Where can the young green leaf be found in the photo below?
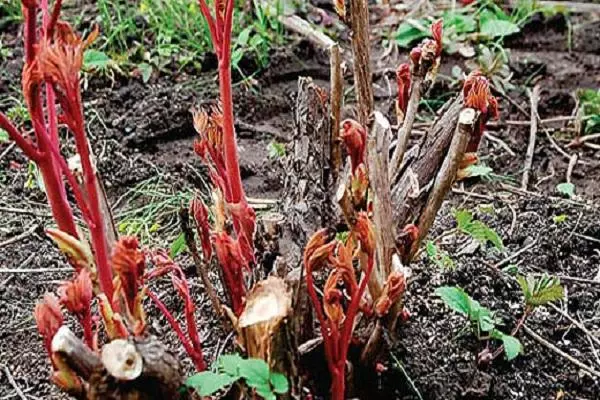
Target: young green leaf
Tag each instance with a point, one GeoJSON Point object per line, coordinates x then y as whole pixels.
{"type": "Point", "coordinates": [438, 256]}
{"type": "Point", "coordinates": [566, 188]}
{"type": "Point", "coordinates": [276, 150]}
{"type": "Point", "coordinates": [255, 371]}
{"type": "Point", "coordinates": [146, 71]}
{"type": "Point", "coordinates": [178, 246]}
{"type": "Point", "coordinates": [512, 346]}
{"type": "Point", "coordinates": [477, 229]}
{"type": "Point", "coordinates": [478, 170]}
{"type": "Point", "coordinates": [559, 219]}
{"type": "Point", "coordinates": [455, 298]}
{"type": "Point", "coordinates": [95, 60]}
{"type": "Point", "coordinates": [230, 364]}
{"type": "Point", "coordinates": [492, 25]}
{"type": "Point", "coordinates": [208, 382]}
{"type": "Point", "coordinates": [540, 291]}
{"type": "Point", "coordinates": [279, 382]}
{"type": "Point", "coordinates": [3, 136]}
{"type": "Point", "coordinates": [407, 34]}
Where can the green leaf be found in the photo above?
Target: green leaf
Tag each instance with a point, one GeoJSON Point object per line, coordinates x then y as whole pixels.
{"type": "Point", "coordinates": [455, 298]}
{"type": "Point", "coordinates": [478, 170]}
{"type": "Point", "coordinates": [407, 34]}
{"type": "Point", "coordinates": [146, 70]}
{"type": "Point", "coordinates": [3, 136]}
{"type": "Point", "coordinates": [255, 371]}
{"type": "Point", "coordinates": [230, 364]}
{"type": "Point", "coordinates": [279, 382]}
{"type": "Point", "coordinates": [540, 291]}
{"type": "Point", "coordinates": [491, 26]}
{"type": "Point", "coordinates": [264, 391]}
{"type": "Point", "coordinates": [512, 346]}
{"type": "Point", "coordinates": [95, 59]}
{"type": "Point", "coordinates": [178, 246]}
{"type": "Point", "coordinates": [208, 382]}
{"type": "Point", "coordinates": [559, 219]}
{"type": "Point", "coordinates": [477, 229]}
{"type": "Point", "coordinates": [511, 269]}
{"type": "Point", "coordinates": [276, 150]}
{"type": "Point", "coordinates": [440, 257]}
{"type": "Point", "coordinates": [461, 23]}
{"type": "Point", "coordinates": [566, 188]}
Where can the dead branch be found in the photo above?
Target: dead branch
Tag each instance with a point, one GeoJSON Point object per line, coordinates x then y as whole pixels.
{"type": "Point", "coordinates": [379, 183]}
{"type": "Point", "coordinates": [446, 175]}
{"type": "Point", "coordinates": [363, 82]}
{"type": "Point", "coordinates": [534, 97]}
{"type": "Point", "coordinates": [140, 368]}
{"type": "Point", "coordinates": [302, 27]}
{"type": "Point", "coordinates": [335, 109]}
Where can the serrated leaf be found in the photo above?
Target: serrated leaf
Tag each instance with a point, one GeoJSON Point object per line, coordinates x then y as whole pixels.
{"type": "Point", "coordinates": [208, 382]}
{"type": "Point", "coordinates": [540, 291]}
{"type": "Point", "coordinates": [255, 371]}
{"type": "Point", "coordinates": [178, 246]}
{"type": "Point", "coordinates": [512, 346]}
{"type": "Point", "coordinates": [455, 298]}
{"type": "Point", "coordinates": [477, 229]}
{"type": "Point", "coordinates": [95, 59]}
{"type": "Point", "coordinates": [230, 363]}
{"type": "Point", "coordinates": [566, 188]}
{"type": "Point", "coordinates": [279, 382]}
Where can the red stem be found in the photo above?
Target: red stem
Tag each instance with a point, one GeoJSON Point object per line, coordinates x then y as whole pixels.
{"type": "Point", "coordinates": [211, 26]}
{"type": "Point", "coordinates": [29, 33]}
{"type": "Point", "coordinates": [88, 333]}
{"type": "Point", "coordinates": [196, 358]}
{"type": "Point", "coordinates": [25, 145]}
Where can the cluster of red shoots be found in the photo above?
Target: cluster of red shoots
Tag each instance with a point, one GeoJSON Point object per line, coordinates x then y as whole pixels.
{"type": "Point", "coordinates": [51, 73]}
{"type": "Point", "coordinates": [234, 248]}
{"type": "Point", "coordinates": [429, 49]}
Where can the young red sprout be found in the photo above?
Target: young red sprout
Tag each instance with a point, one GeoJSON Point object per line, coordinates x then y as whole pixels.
{"type": "Point", "coordinates": [224, 140]}
{"type": "Point", "coordinates": [192, 344]}
{"type": "Point", "coordinates": [76, 297]}
{"type": "Point", "coordinates": [199, 212]}
{"type": "Point", "coordinates": [477, 95]}
{"type": "Point", "coordinates": [392, 290]}
{"type": "Point", "coordinates": [403, 82]}
{"type": "Point", "coordinates": [425, 58]}
{"type": "Point", "coordinates": [337, 321]}
{"type": "Point", "coordinates": [129, 263]}
{"type": "Point", "coordinates": [49, 318]}
{"type": "Point", "coordinates": [53, 60]}
{"type": "Point", "coordinates": [354, 136]}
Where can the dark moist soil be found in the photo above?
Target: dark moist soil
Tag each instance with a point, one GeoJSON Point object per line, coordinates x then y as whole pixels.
{"type": "Point", "coordinates": [140, 130]}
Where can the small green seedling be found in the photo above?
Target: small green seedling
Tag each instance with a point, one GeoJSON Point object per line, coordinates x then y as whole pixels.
{"type": "Point", "coordinates": [540, 291]}
{"type": "Point", "coordinates": [482, 320]}
{"type": "Point", "coordinates": [439, 257]}
{"type": "Point", "coordinates": [477, 229]}
{"type": "Point", "coordinates": [276, 150]}
{"type": "Point", "coordinates": [566, 189]}
{"type": "Point", "coordinates": [559, 219]}
{"type": "Point", "coordinates": [231, 368]}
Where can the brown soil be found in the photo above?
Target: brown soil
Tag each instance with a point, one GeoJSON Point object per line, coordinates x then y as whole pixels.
{"type": "Point", "coordinates": [140, 129]}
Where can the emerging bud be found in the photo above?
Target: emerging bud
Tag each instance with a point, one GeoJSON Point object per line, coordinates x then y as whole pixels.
{"type": "Point", "coordinates": [77, 252]}
{"type": "Point", "coordinates": [318, 250]}
{"type": "Point", "coordinates": [332, 300]}
{"type": "Point", "coordinates": [405, 239]}
{"type": "Point", "coordinates": [436, 33]}
{"type": "Point", "coordinates": [342, 263]}
{"type": "Point", "coordinates": [360, 187]}
{"type": "Point", "coordinates": [340, 8]}
{"type": "Point", "coordinates": [403, 82]}
{"type": "Point", "coordinates": [354, 136]}
{"type": "Point", "coordinates": [477, 95]}
{"type": "Point", "coordinates": [60, 59]}
{"type": "Point", "coordinates": [392, 290]}
{"type": "Point", "coordinates": [129, 263]}
{"type": "Point", "coordinates": [76, 295]}
{"type": "Point", "coordinates": [365, 234]}
{"type": "Point", "coordinates": [113, 323]}
{"type": "Point", "coordinates": [200, 213]}
{"type": "Point", "coordinates": [231, 261]}
{"type": "Point", "coordinates": [49, 318]}
{"type": "Point", "coordinates": [244, 219]}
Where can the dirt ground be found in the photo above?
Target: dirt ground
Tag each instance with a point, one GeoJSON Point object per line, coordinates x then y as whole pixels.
{"type": "Point", "coordinates": [140, 130]}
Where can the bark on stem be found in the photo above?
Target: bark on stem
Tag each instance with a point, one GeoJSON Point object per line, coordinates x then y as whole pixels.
{"type": "Point", "coordinates": [335, 109]}
{"type": "Point", "coordinates": [534, 97]}
{"type": "Point", "coordinates": [446, 175]}
{"type": "Point", "coordinates": [359, 22]}
{"type": "Point", "coordinates": [416, 92]}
